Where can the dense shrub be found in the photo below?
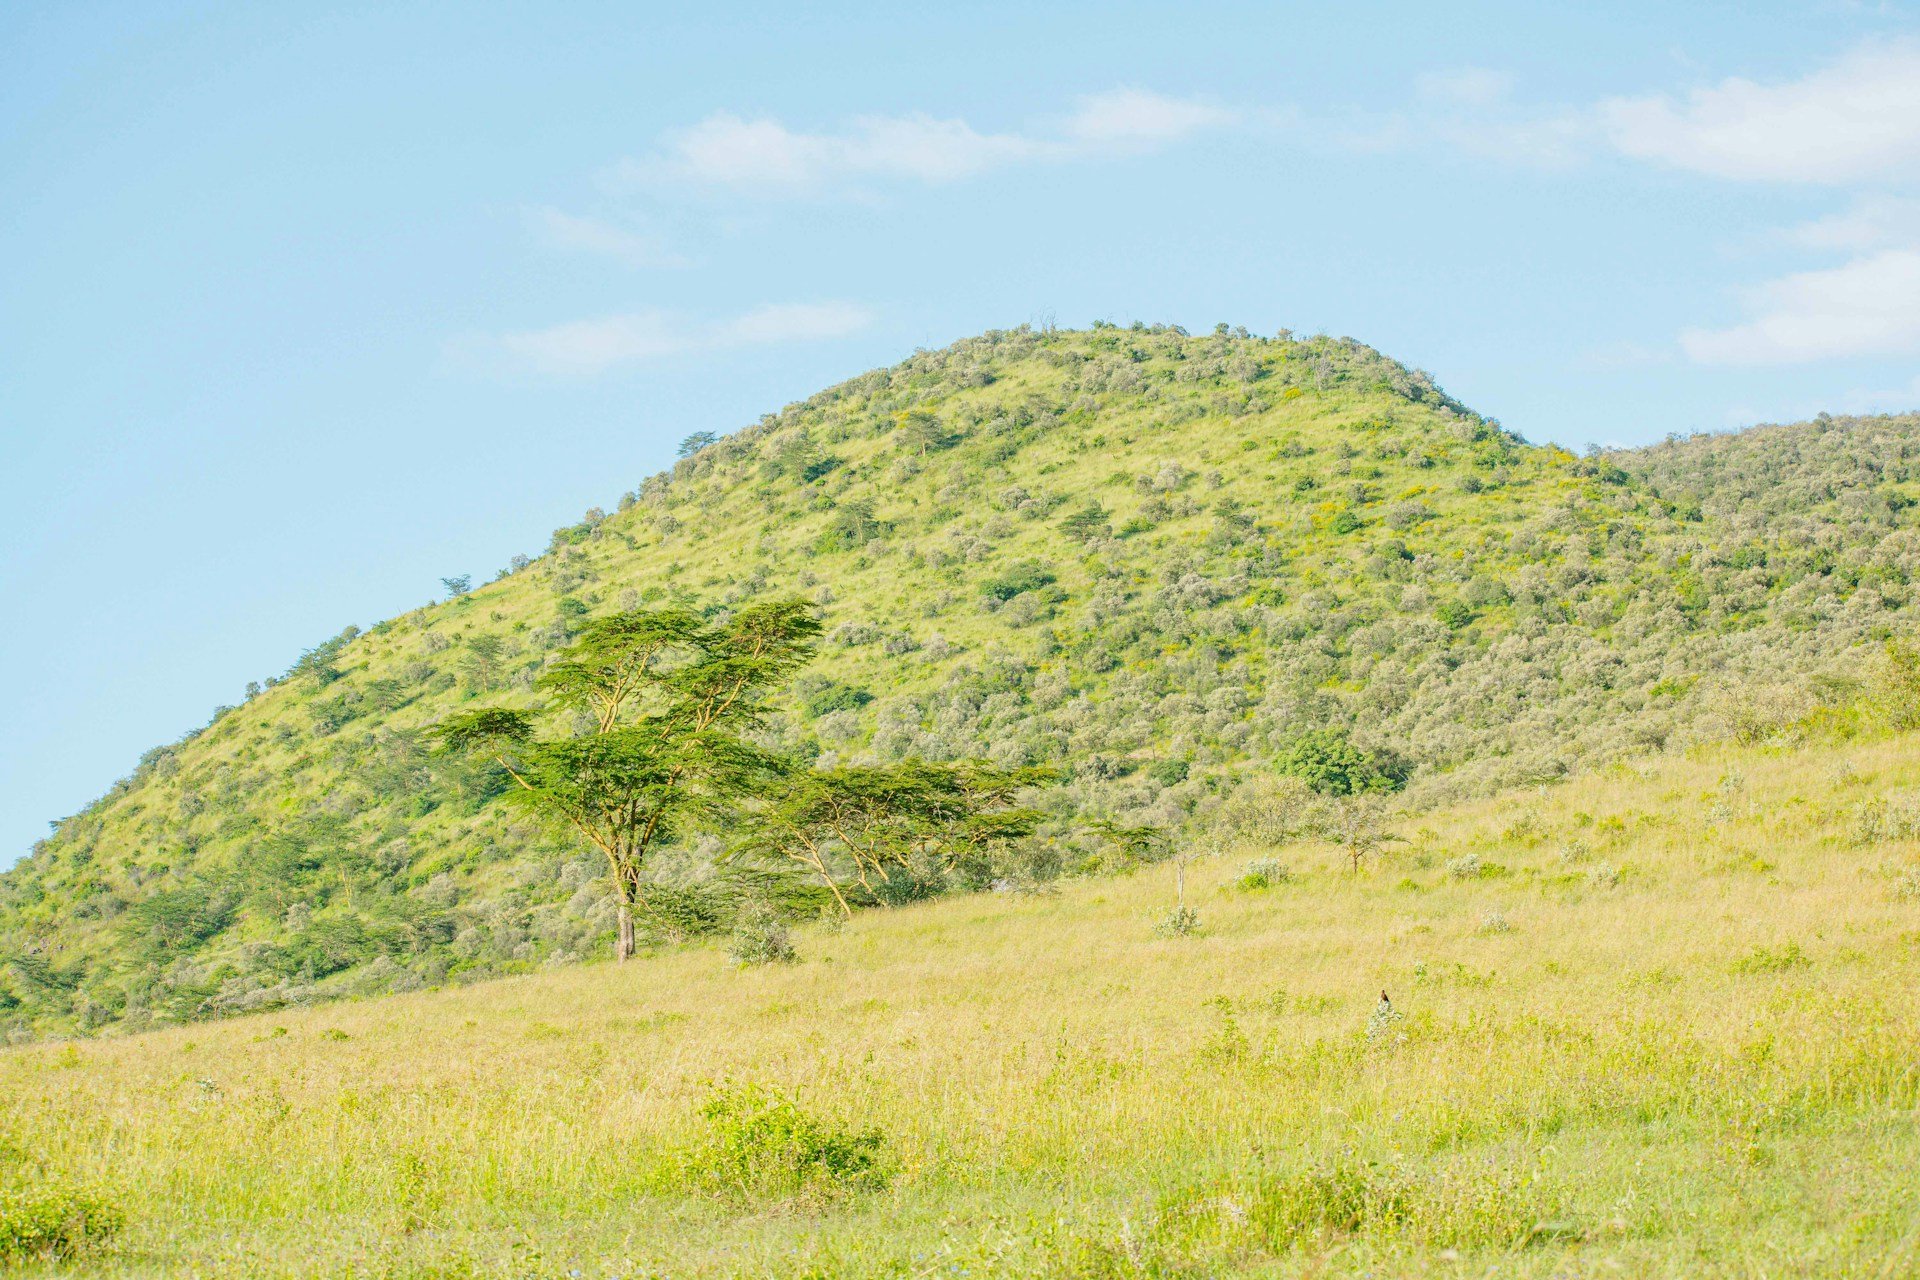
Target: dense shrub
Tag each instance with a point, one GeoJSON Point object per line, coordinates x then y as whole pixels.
{"type": "Point", "coordinates": [42, 1217]}
{"type": "Point", "coordinates": [760, 1144]}
{"type": "Point", "coordinates": [1331, 764]}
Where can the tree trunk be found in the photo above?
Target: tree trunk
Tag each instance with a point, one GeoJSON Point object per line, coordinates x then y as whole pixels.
{"type": "Point", "coordinates": [623, 949]}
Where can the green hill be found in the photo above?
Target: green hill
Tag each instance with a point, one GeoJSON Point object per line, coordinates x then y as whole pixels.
{"type": "Point", "coordinates": [1151, 558]}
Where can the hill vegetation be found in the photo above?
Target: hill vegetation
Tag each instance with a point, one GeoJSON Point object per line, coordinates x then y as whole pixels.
{"type": "Point", "coordinates": [1161, 562]}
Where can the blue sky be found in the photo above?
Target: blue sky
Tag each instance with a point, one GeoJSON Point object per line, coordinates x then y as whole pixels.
{"type": "Point", "coordinates": [305, 307]}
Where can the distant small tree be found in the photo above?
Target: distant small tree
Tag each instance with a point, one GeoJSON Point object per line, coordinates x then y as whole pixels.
{"type": "Point", "coordinates": [696, 442]}
{"type": "Point", "coordinates": [1352, 780]}
{"type": "Point", "coordinates": [457, 587]}
{"type": "Point", "coordinates": [671, 701]}
{"type": "Point", "coordinates": [320, 661]}
{"type": "Point", "coordinates": [1122, 847]}
{"type": "Point", "coordinates": [1089, 523]}
{"type": "Point", "coordinates": [922, 433]}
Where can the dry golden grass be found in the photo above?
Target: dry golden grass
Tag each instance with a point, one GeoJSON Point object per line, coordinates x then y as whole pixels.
{"type": "Point", "coordinates": [1693, 1050]}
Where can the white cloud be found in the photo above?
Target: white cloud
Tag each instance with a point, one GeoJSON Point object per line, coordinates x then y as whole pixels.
{"type": "Point", "coordinates": [1855, 120]}
{"type": "Point", "coordinates": [1873, 223]}
{"type": "Point", "coordinates": [596, 235]}
{"type": "Point", "coordinates": [764, 155]}
{"type": "Point", "coordinates": [581, 348]}
{"type": "Point", "coordinates": [1867, 307]}
{"type": "Point", "coordinates": [1464, 86]}
{"type": "Point", "coordinates": [725, 150]}
{"type": "Point", "coordinates": [797, 322]}
{"type": "Point", "coordinates": [1124, 117]}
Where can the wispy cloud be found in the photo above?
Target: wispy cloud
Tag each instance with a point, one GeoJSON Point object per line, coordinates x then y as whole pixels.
{"type": "Point", "coordinates": [1875, 222]}
{"type": "Point", "coordinates": [1137, 117]}
{"type": "Point", "coordinates": [1855, 120]}
{"type": "Point", "coordinates": [582, 348]}
{"type": "Point", "coordinates": [765, 156]}
{"type": "Point", "coordinates": [1867, 307]}
{"type": "Point", "coordinates": [584, 234]}
{"type": "Point", "coordinates": [1465, 86]}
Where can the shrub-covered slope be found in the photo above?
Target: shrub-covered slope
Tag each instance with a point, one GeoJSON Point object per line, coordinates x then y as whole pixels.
{"type": "Point", "coordinates": [1154, 559]}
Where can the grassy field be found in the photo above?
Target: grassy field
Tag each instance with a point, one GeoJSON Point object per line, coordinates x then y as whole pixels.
{"type": "Point", "coordinates": [1660, 1021]}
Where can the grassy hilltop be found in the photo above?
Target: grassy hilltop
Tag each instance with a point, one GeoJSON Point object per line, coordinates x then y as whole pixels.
{"type": "Point", "coordinates": [1655, 1021]}
{"type": "Point", "coordinates": [1153, 558]}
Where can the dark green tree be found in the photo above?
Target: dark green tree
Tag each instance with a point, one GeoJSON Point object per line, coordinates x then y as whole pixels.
{"type": "Point", "coordinates": [1089, 523]}
{"type": "Point", "coordinates": [672, 701]}
{"type": "Point", "coordinates": [923, 434]}
{"type": "Point", "coordinates": [1329, 762]}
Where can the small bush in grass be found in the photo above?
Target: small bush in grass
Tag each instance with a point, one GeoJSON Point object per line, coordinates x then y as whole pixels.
{"type": "Point", "coordinates": [45, 1218]}
{"type": "Point", "coordinates": [1179, 922]}
{"type": "Point", "coordinates": [1495, 921]}
{"type": "Point", "coordinates": [1469, 1206]}
{"type": "Point", "coordinates": [1264, 873]}
{"type": "Point", "coordinates": [761, 937]}
{"type": "Point", "coordinates": [760, 1144]}
{"type": "Point", "coordinates": [1781, 959]}
{"type": "Point", "coordinates": [1895, 816]}
{"type": "Point", "coordinates": [1383, 1026]}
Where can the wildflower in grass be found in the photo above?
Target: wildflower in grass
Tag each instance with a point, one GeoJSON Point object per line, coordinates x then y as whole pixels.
{"type": "Point", "coordinates": [1465, 867]}
{"type": "Point", "coordinates": [1495, 921]}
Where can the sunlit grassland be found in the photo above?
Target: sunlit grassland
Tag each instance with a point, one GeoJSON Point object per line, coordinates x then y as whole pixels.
{"type": "Point", "coordinates": [1665, 1023]}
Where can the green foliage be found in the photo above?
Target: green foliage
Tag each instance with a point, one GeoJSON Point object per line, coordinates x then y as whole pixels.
{"type": "Point", "coordinates": [43, 1217]}
{"type": "Point", "coordinates": [1263, 873]}
{"type": "Point", "coordinates": [675, 913]}
{"type": "Point", "coordinates": [760, 936]}
{"type": "Point", "coordinates": [760, 1145]}
{"type": "Point", "coordinates": [1329, 762]}
{"type": "Point", "coordinates": [949, 514]}
{"type": "Point", "coordinates": [851, 527]}
{"type": "Point", "coordinates": [822, 695]}
{"type": "Point", "coordinates": [1782, 959]}
{"type": "Point", "coordinates": [1027, 575]}
{"type": "Point", "coordinates": [1181, 921]}
{"type": "Point", "coordinates": [671, 699]}
{"type": "Point", "coordinates": [318, 662]}
{"type": "Point", "coordinates": [897, 830]}
{"type": "Point", "coordinates": [1089, 522]}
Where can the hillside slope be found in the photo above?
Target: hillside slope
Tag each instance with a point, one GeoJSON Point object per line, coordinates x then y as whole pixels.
{"type": "Point", "coordinates": [1151, 557]}
{"type": "Point", "coordinates": [1652, 1022]}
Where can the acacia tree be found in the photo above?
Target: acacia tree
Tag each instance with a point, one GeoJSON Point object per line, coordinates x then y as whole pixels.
{"type": "Point", "coordinates": [875, 819]}
{"type": "Point", "coordinates": [671, 699]}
